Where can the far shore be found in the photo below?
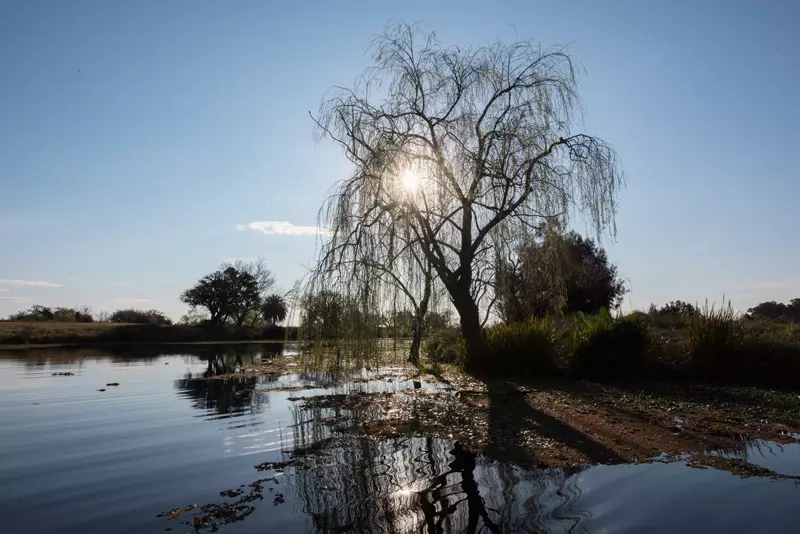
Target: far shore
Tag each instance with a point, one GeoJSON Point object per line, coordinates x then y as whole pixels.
{"type": "Point", "coordinates": [22, 335]}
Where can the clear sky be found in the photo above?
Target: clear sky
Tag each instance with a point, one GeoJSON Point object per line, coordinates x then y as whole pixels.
{"type": "Point", "coordinates": [139, 139]}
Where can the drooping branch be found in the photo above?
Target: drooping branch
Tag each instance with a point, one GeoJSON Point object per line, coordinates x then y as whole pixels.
{"type": "Point", "coordinates": [488, 134]}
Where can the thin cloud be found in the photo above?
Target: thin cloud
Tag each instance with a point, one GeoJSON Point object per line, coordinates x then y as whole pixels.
{"type": "Point", "coordinates": [785, 284]}
{"type": "Point", "coordinates": [132, 300]}
{"type": "Point", "coordinates": [28, 283]}
{"type": "Point", "coordinates": [15, 299]}
{"type": "Point", "coordinates": [281, 228]}
{"type": "Point", "coordinates": [3, 290]}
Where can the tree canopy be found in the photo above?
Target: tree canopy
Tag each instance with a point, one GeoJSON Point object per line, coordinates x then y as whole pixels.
{"type": "Point", "coordinates": [557, 273]}
{"type": "Point", "coordinates": [777, 310]}
{"type": "Point", "coordinates": [140, 317]}
{"type": "Point", "coordinates": [274, 309]}
{"type": "Point", "coordinates": [232, 292]}
{"type": "Point", "coordinates": [458, 156]}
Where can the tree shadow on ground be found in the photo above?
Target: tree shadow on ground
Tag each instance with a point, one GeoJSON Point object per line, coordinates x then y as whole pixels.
{"type": "Point", "coordinates": [515, 424]}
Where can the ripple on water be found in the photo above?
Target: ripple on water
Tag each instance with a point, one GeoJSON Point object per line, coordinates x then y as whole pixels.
{"type": "Point", "coordinates": [76, 460]}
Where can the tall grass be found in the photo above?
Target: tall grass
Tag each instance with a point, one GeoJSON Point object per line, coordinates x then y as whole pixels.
{"type": "Point", "coordinates": [521, 348]}
{"type": "Point", "coordinates": [716, 339]}
{"type": "Point", "coordinates": [727, 347]}
{"type": "Point", "coordinates": [609, 348]}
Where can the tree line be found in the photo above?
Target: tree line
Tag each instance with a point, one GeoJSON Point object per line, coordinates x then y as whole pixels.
{"type": "Point", "coordinates": [83, 314]}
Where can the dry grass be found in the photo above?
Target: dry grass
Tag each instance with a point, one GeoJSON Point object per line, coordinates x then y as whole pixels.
{"type": "Point", "coordinates": [14, 333]}
{"type": "Point", "coordinates": [20, 334]}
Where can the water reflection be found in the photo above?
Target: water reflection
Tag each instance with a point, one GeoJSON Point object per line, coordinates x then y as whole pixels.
{"type": "Point", "coordinates": [234, 394]}
{"type": "Point", "coordinates": [362, 484]}
{"type": "Point", "coordinates": [778, 457]}
{"type": "Point", "coordinates": [77, 460]}
{"type": "Point", "coordinates": [430, 485]}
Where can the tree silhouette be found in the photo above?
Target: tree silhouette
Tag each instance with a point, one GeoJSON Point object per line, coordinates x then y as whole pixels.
{"type": "Point", "coordinates": [274, 309]}
{"type": "Point", "coordinates": [466, 151]}
{"type": "Point", "coordinates": [777, 310]}
{"type": "Point", "coordinates": [557, 273]}
{"type": "Point", "coordinates": [228, 294]}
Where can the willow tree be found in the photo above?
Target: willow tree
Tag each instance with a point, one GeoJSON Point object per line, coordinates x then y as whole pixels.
{"type": "Point", "coordinates": [459, 153]}
{"type": "Point", "coordinates": [383, 270]}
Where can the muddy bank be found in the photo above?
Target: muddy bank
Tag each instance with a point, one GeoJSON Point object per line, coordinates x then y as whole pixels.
{"type": "Point", "coordinates": [564, 423]}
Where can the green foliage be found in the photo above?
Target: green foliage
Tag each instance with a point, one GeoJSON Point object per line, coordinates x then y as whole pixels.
{"type": "Point", "coordinates": [609, 348]}
{"type": "Point", "coordinates": [521, 348]}
{"type": "Point", "coordinates": [135, 316]}
{"type": "Point", "coordinates": [557, 273]}
{"type": "Point", "coordinates": [445, 345]}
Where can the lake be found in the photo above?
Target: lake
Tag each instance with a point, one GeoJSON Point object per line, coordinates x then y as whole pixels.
{"type": "Point", "coordinates": [168, 450]}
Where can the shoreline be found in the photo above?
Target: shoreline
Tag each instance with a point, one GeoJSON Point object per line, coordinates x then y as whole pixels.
{"type": "Point", "coordinates": [102, 344]}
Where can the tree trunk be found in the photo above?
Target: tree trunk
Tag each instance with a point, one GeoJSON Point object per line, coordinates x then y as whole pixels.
{"type": "Point", "coordinates": [416, 341]}
{"type": "Point", "coordinates": [418, 327]}
{"type": "Point", "coordinates": [471, 330]}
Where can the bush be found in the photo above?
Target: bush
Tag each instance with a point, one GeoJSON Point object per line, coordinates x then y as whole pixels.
{"type": "Point", "coordinates": [36, 313]}
{"type": "Point", "coordinates": [445, 345]}
{"type": "Point", "coordinates": [608, 348]}
{"type": "Point", "coordinates": [133, 316]}
{"type": "Point", "coordinates": [521, 348]}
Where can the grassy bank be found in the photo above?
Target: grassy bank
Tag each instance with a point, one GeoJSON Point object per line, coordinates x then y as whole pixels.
{"type": "Point", "coordinates": [58, 333]}
{"type": "Point", "coordinates": [710, 346]}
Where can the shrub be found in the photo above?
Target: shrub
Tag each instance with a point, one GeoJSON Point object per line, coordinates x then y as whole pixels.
{"type": "Point", "coordinates": [608, 348]}
{"type": "Point", "coordinates": [521, 348]}
{"type": "Point", "coordinates": [79, 314]}
{"type": "Point", "coordinates": [445, 345]}
{"type": "Point", "coordinates": [134, 316]}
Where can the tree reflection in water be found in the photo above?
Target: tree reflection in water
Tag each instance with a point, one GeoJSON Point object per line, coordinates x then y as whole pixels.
{"type": "Point", "coordinates": [228, 396]}
{"type": "Point", "coordinates": [362, 484]}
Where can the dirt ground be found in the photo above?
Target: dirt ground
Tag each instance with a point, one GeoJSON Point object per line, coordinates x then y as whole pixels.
{"type": "Point", "coordinates": [564, 423]}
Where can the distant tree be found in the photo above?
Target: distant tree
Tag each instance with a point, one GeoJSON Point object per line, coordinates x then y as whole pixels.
{"type": "Point", "coordinates": [230, 293]}
{"type": "Point", "coordinates": [259, 270]}
{"type": "Point", "coordinates": [323, 313]}
{"type": "Point", "coordinates": [274, 309]}
{"type": "Point", "coordinates": [79, 314]}
{"type": "Point", "coordinates": [557, 273]}
{"type": "Point", "coordinates": [677, 307]}
{"type": "Point", "coordinates": [193, 317]}
{"type": "Point", "coordinates": [135, 316]}
{"type": "Point", "coordinates": [776, 310]}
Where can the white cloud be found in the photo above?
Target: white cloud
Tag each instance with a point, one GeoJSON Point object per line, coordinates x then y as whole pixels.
{"type": "Point", "coordinates": [3, 290]}
{"type": "Point", "coordinates": [28, 283]}
{"type": "Point", "coordinates": [132, 300]}
{"type": "Point", "coordinates": [15, 299]}
{"type": "Point", "coordinates": [281, 228]}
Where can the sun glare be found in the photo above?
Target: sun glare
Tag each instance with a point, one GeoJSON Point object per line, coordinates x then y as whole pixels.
{"type": "Point", "coordinates": [410, 181]}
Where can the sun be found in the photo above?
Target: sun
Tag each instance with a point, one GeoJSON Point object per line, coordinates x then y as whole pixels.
{"type": "Point", "coordinates": [410, 181]}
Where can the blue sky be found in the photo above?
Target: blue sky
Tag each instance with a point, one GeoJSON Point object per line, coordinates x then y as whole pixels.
{"type": "Point", "coordinates": [136, 137]}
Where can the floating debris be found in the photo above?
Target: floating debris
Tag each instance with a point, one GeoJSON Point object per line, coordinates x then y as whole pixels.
{"type": "Point", "coordinates": [213, 516]}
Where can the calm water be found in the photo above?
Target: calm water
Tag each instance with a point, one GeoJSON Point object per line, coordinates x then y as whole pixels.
{"type": "Point", "coordinates": [75, 459]}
